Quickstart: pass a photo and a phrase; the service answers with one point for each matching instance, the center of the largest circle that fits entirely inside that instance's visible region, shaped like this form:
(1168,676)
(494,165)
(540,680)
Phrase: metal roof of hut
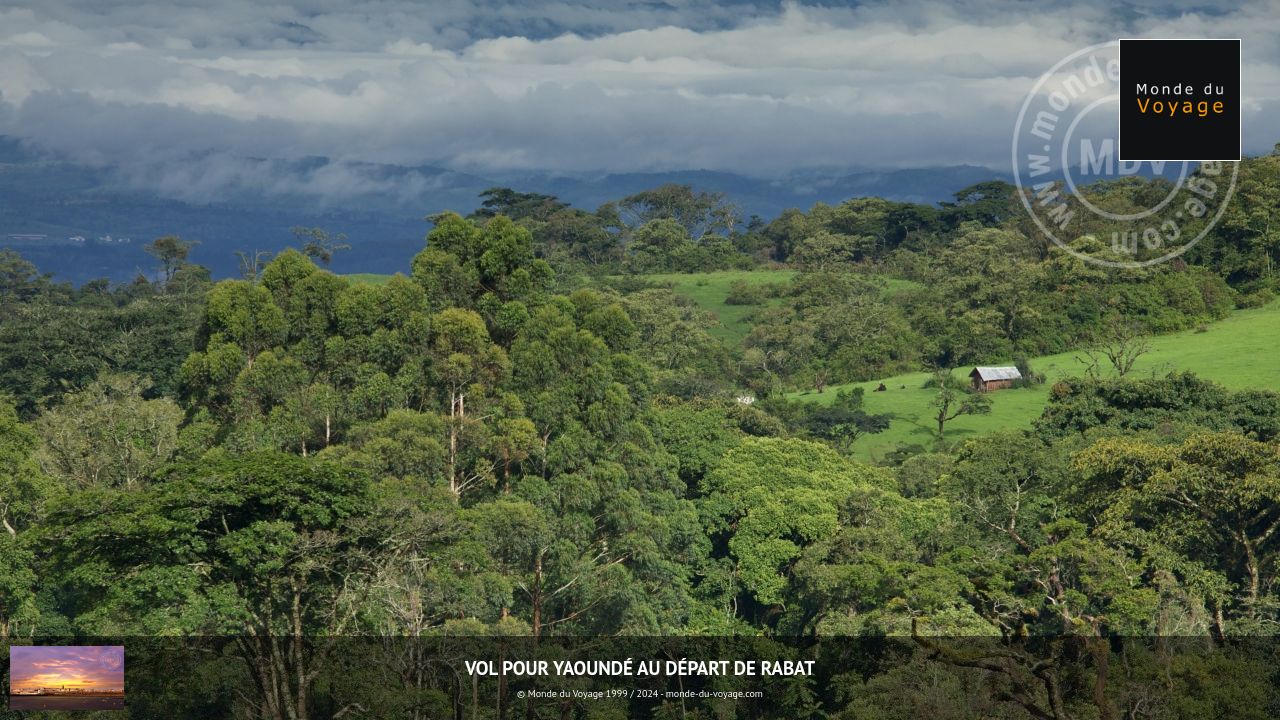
(996,373)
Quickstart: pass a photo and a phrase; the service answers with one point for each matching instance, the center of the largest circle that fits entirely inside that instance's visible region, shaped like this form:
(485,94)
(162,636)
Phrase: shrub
(1030,378)
(743,293)
(1255,299)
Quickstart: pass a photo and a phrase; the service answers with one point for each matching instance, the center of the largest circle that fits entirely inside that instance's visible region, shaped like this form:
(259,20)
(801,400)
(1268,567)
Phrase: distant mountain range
(82,221)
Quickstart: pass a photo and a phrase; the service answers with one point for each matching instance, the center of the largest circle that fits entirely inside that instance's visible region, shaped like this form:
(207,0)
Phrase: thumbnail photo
(66,677)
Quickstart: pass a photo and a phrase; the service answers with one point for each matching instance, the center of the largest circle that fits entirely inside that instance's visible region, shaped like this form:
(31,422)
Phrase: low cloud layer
(754,88)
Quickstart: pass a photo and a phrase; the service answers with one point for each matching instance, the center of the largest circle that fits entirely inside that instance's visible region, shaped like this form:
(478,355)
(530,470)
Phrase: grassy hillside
(709,290)
(1238,352)
(370,278)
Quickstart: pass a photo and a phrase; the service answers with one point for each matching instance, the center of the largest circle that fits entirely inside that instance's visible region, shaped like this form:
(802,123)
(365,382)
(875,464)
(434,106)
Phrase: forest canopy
(526,434)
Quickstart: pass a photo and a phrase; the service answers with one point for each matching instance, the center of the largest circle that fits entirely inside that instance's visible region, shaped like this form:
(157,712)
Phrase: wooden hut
(986,379)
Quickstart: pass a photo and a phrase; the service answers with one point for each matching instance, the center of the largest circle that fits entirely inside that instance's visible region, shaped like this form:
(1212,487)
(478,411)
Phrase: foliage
(1159,403)
(171,251)
(496,444)
(769,498)
(1224,352)
(59,339)
(318,244)
(109,435)
(24,490)
(951,401)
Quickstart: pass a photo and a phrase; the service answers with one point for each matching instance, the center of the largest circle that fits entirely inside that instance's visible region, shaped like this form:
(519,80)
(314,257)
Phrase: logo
(1180,99)
(1086,200)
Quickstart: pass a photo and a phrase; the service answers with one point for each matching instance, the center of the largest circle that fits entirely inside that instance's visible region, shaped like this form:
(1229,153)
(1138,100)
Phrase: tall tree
(1212,501)
(171,251)
(467,364)
(517,205)
(23,488)
(19,279)
(954,400)
(318,244)
(266,547)
(769,498)
(698,212)
(108,434)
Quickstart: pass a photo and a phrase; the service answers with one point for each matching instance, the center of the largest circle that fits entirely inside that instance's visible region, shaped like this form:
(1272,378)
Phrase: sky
(758,88)
(86,667)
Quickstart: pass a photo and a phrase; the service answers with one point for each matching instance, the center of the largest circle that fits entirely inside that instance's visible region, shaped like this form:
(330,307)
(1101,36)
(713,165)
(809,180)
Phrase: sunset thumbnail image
(75,670)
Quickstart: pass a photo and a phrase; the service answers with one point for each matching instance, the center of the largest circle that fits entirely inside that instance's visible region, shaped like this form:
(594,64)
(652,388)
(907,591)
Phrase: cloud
(75,666)
(756,88)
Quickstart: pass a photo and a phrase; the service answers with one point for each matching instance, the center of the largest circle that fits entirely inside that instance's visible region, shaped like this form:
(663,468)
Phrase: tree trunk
(1100,648)
(457,412)
(536,596)
(300,668)
(1219,633)
(1251,567)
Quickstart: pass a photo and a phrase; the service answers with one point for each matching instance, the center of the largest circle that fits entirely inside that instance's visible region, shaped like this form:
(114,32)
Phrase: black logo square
(1179,99)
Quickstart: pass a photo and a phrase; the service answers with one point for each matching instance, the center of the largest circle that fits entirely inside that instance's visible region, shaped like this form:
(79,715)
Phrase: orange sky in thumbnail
(84,667)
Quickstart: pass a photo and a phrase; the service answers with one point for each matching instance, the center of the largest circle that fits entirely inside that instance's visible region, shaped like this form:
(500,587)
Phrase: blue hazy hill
(250,204)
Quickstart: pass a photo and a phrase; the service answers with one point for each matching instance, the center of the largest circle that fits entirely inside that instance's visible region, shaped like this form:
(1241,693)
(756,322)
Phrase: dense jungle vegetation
(530,433)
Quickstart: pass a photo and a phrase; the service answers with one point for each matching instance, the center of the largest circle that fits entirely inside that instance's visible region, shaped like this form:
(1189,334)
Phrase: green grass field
(1238,352)
(709,290)
(369,278)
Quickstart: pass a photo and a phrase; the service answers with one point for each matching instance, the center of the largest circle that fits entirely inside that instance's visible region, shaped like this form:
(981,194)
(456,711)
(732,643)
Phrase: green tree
(1174,401)
(108,435)
(318,244)
(1245,244)
(579,235)
(466,364)
(1210,502)
(406,444)
(655,244)
(23,493)
(1038,576)
(951,401)
(52,344)
(263,547)
(1122,342)
(466,266)
(673,335)
(769,498)
(517,205)
(246,314)
(18,586)
(171,251)
(825,251)
(19,279)
(697,212)
(987,202)
(844,421)
(879,572)
(23,488)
